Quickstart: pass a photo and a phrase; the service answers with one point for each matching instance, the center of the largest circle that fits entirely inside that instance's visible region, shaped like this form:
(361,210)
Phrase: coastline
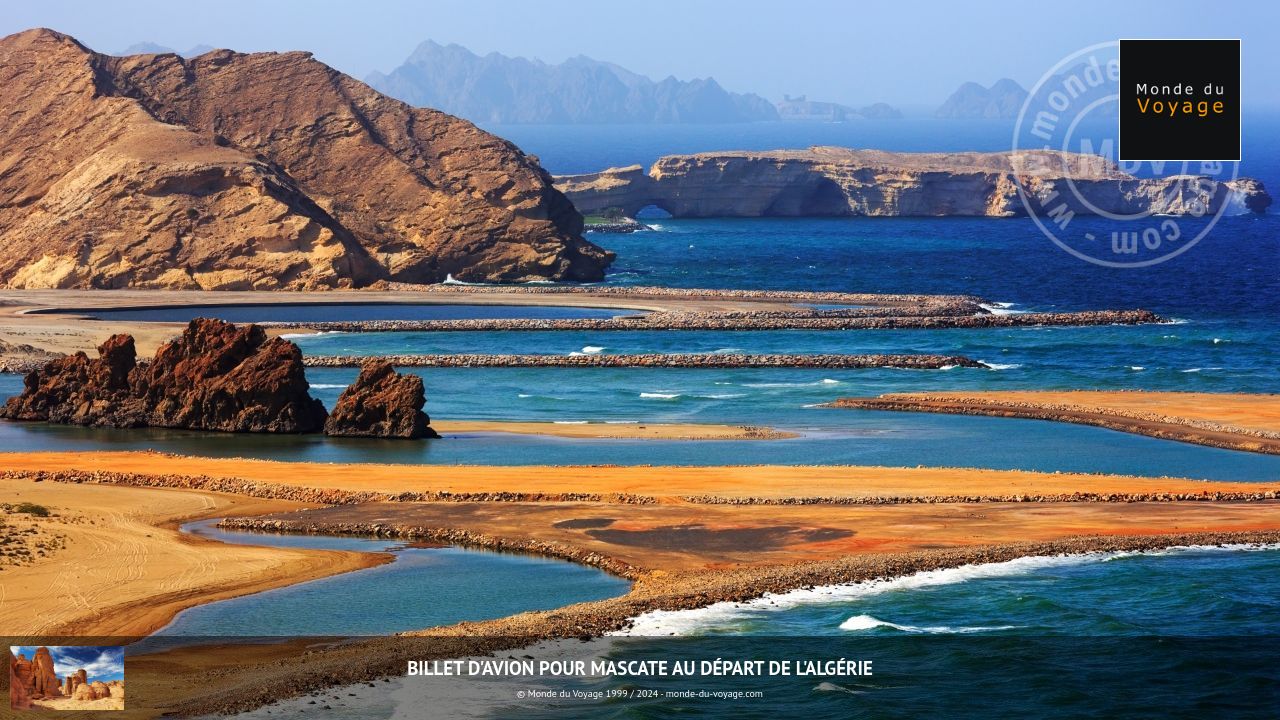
(1249,423)
(681,550)
(283,672)
(126,569)
(330,483)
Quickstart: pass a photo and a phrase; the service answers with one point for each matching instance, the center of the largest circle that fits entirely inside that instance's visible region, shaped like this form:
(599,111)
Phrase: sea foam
(694,622)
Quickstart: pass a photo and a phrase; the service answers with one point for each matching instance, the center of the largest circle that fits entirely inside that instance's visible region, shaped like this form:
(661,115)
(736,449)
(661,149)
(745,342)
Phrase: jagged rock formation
(19,695)
(1003,100)
(831,181)
(381,403)
(33,679)
(214,377)
(260,171)
(500,89)
(802,108)
(44,678)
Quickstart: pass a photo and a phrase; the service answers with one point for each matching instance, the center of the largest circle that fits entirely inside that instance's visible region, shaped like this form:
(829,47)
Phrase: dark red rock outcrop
(216,376)
(256,171)
(381,403)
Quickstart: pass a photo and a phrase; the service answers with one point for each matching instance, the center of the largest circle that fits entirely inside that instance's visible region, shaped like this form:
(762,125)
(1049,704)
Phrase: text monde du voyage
(1180,99)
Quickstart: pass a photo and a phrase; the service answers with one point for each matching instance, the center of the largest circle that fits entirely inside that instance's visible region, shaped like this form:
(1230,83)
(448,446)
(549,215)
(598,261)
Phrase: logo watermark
(1105,211)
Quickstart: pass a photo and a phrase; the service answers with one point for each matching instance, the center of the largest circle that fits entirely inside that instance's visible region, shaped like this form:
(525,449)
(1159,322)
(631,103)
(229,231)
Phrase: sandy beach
(1228,420)
(686,537)
(125,569)
(667,484)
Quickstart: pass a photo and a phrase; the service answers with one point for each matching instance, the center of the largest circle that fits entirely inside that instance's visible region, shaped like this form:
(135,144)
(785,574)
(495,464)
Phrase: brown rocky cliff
(381,403)
(232,171)
(832,181)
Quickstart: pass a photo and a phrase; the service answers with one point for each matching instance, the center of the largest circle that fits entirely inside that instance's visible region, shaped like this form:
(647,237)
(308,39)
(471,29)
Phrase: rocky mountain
(500,89)
(833,181)
(801,108)
(1002,100)
(259,171)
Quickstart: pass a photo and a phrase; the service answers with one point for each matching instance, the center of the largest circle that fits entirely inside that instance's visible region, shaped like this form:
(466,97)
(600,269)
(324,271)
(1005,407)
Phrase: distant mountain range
(801,108)
(500,89)
(150,48)
(1002,100)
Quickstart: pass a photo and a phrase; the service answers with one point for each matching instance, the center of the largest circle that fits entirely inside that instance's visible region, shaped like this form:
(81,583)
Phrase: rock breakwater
(657,360)
(1159,425)
(767,320)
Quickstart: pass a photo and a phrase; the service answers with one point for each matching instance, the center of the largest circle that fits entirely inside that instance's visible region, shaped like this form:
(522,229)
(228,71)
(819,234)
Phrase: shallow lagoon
(423,587)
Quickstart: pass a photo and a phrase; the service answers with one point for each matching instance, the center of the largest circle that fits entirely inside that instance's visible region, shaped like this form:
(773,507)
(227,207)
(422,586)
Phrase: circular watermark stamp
(1072,184)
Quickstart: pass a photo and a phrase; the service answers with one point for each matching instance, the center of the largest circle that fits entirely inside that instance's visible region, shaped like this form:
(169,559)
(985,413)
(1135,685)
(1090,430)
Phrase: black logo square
(1180,100)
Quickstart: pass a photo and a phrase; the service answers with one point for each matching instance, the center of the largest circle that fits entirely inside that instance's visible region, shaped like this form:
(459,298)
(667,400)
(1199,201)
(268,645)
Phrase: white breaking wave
(1137,368)
(867,622)
(659,396)
(693,622)
(302,336)
(1000,366)
(824,381)
(1000,308)
(725,351)
(722,396)
(592,350)
(569,422)
(326,386)
(449,279)
(832,687)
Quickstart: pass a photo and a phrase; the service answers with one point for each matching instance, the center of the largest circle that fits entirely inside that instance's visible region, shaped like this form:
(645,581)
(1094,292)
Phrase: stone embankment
(772,320)
(641,291)
(1165,427)
(657,360)
(327,496)
(295,493)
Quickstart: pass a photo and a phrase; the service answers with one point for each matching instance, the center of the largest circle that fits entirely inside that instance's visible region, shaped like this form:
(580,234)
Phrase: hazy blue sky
(906,53)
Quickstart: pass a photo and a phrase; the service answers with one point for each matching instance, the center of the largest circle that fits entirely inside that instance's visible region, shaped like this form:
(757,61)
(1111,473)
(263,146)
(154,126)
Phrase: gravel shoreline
(1165,427)
(657,360)
(325,496)
(767,320)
